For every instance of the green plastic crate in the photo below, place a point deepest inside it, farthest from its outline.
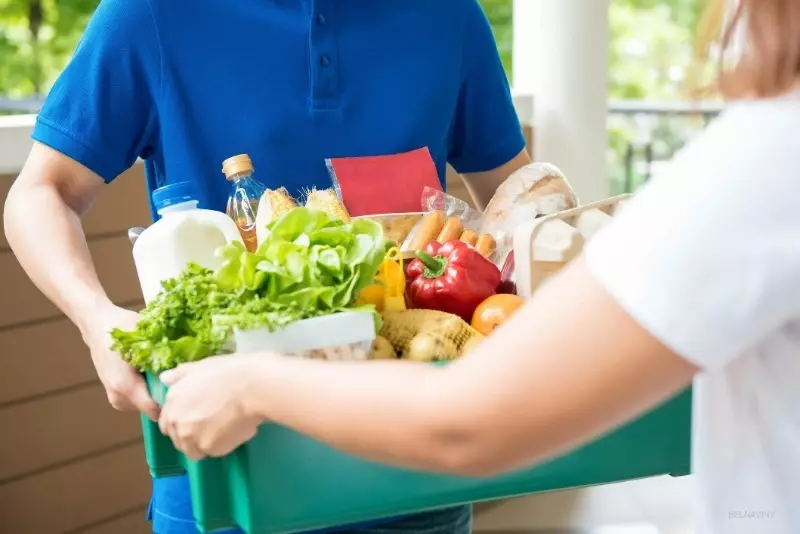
(282, 481)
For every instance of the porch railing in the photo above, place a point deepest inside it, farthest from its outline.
(9, 106)
(645, 135)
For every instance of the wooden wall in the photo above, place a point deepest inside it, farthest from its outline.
(68, 462)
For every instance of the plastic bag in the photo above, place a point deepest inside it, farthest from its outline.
(336, 337)
(402, 177)
(447, 218)
(437, 200)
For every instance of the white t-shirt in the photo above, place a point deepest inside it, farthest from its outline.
(707, 259)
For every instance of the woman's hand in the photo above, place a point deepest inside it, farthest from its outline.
(208, 411)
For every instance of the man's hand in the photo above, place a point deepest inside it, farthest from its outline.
(124, 386)
(209, 410)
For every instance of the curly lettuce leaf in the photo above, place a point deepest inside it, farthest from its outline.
(309, 264)
(310, 259)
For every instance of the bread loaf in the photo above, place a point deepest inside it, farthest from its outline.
(535, 189)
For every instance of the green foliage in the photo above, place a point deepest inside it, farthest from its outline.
(651, 42)
(500, 13)
(651, 47)
(36, 40)
(650, 57)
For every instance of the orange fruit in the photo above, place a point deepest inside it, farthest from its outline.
(495, 311)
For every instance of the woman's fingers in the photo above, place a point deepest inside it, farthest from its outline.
(170, 377)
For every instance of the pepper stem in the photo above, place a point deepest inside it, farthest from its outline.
(435, 266)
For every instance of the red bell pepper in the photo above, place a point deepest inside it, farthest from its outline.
(451, 277)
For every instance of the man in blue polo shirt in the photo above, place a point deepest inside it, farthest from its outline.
(185, 84)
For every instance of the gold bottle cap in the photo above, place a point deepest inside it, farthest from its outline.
(237, 166)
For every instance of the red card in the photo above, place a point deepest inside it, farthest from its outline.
(375, 185)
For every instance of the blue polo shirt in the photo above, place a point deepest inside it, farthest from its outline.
(185, 84)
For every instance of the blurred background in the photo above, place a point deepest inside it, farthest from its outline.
(651, 112)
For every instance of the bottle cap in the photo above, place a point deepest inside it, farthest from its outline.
(172, 194)
(237, 166)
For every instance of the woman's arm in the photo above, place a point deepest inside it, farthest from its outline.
(530, 391)
(569, 366)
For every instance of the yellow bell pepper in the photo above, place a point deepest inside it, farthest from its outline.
(372, 294)
(393, 279)
(388, 291)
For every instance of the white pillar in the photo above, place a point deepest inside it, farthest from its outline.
(561, 58)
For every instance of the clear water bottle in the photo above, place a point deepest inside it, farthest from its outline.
(246, 192)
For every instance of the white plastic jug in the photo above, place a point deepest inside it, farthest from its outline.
(184, 234)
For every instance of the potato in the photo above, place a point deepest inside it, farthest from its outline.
(382, 350)
(430, 347)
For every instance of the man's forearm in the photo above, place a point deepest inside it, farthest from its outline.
(483, 185)
(47, 239)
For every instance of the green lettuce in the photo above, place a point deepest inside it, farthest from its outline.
(310, 264)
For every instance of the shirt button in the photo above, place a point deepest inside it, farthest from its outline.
(324, 61)
(321, 19)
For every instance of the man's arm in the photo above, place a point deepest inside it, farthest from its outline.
(487, 143)
(482, 185)
(99, 116)
(59, 191)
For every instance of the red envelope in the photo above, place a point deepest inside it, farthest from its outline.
(374, 185)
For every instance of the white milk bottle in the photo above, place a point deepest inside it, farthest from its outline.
(183, 234)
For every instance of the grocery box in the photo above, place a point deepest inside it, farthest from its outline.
(545, 245)
(282, 481)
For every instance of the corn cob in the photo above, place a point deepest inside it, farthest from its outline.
(418, 334)
(273, 204)
(327, 201)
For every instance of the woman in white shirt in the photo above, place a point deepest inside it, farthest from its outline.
(698, 279)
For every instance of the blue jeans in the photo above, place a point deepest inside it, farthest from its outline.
(171, 513)
(449, 521)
